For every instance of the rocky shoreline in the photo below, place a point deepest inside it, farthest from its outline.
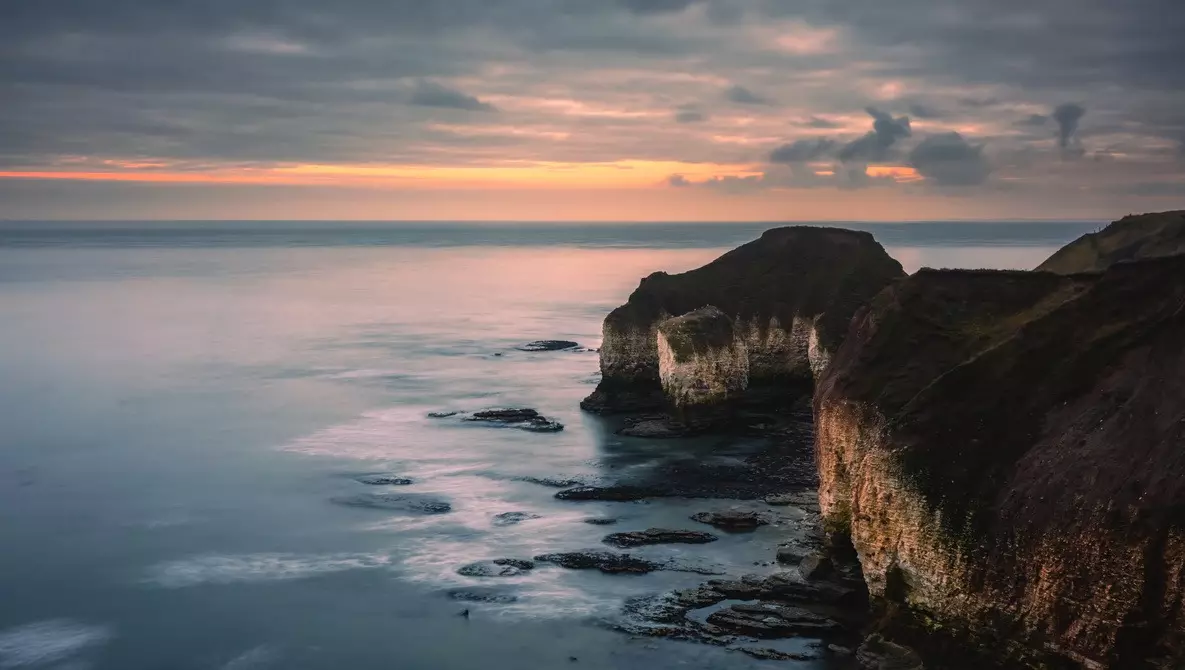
(999, 454)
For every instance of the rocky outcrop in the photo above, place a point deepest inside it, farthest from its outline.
(1130, 238)
(1006, 451)
(786, 298)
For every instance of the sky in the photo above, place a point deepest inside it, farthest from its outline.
(616, 110)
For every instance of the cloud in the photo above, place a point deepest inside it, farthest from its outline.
(1067, 116)
(948, 160)
(657, 6)
(802, 151)
(743, 96)
(1033, 120)
(432, 94)
(818, 122)
(875, 146)
(678, 181)
(689, 114)
(926, 112)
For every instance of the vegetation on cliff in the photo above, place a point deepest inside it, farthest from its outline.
(1132, 237)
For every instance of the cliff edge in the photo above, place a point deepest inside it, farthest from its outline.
(1132, 237)
(1006, 452)
(782, 304)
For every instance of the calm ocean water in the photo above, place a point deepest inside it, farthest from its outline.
(186, 408)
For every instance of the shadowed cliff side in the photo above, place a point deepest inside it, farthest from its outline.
(1132, 237)
(786, 299)
(1006, 451)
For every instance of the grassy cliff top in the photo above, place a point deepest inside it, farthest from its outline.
(1132, 237)
(796, 271)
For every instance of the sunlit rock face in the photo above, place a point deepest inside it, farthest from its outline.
(789, 296)
(700, 361)
(1006, 451)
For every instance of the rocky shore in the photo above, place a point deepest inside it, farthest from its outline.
(1000, 455)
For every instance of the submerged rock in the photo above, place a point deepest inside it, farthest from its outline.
(654, 427)
(397, 502)
(498, 567)
(476, 594)
(789, 296)
(731, 520)
(604, 561)
(521, 418)
(512, 518)
(549, 345)
(444, 414)
(1004, 450)
(617, 493)
(770, 620)
(600, 521)
(640, 538)
(384, 480)
(552, 482)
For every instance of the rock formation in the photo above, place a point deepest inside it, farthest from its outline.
(1006, 452)
(775, 309)
(1132, 237)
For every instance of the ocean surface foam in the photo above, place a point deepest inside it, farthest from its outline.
(41, 643)
(217, 569)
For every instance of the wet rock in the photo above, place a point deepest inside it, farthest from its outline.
(703, 596)
(769, 620)
(765, 654)
(548, 345)
(839, 650)
(731, 520)
(600, 521)
(482, 595)
(658, 536)
(605, 561)
(521, 418)
(511, 518)
(877, 653)
(384, 480)
(397, 502)
(736, 589)
(441, 415)
(616, 493)
(655, 427)
(498, 567)
(807, 501)
(816, 566)
(552, 482)
(790, 554)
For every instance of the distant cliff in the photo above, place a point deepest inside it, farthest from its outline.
(1132, 237)
(781, 303)
(1006, 451)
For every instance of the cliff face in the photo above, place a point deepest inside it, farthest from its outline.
(1007, 452)
(788, 297)
(1132, 237)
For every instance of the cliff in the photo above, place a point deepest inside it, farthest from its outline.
(1132, 237)
(1006, 451)
(787, 296)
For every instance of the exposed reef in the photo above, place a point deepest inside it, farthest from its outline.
(780, 306)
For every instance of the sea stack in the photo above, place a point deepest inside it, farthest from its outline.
(765, 315)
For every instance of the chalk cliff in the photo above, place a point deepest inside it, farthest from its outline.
(1006, 451)
(784, 301)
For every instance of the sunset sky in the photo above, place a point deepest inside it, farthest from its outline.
(591, 109)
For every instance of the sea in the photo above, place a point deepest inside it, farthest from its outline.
(196, 420)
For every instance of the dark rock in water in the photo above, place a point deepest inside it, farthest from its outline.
(552, 482)
(654, 427)
(765, 654)
(731, 520)
(384, 480)
(769, 620)
(441, 415)
(839, 650)
(604, 561)
(876, 653)
(499, 567)
(522, 418)
(476, 594)
(791, 554)
(511, 518)
(397, 502)
(703, 596)
(617, 493)
(816, 566)
(658, 536)
(549, 345)
(600, 521)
